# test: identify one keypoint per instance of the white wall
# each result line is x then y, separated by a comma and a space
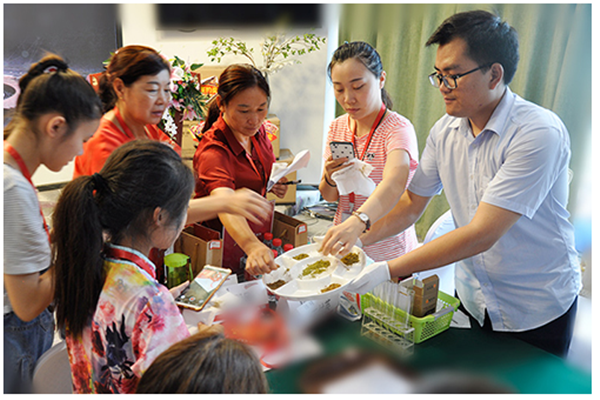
301, 94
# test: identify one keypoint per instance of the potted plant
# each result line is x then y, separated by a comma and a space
187, 102
278, 50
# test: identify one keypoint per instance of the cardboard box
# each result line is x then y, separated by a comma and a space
275, 134
209, 87
425, 298
203, 245
290, 230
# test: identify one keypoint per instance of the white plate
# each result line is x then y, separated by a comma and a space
304, 288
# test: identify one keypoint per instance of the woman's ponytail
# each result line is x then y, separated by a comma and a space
212, 114
78, 262
50, 86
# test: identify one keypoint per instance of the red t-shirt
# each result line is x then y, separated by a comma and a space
221, 161
106, 139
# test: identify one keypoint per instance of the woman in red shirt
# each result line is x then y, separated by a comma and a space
135, 92
235, 153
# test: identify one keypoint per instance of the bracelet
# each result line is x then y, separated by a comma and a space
327, 181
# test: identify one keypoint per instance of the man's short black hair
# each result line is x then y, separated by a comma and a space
488, 39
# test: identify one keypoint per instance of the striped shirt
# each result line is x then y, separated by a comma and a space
394, 132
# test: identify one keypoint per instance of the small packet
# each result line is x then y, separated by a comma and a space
349, 306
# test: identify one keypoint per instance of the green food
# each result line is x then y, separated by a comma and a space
330, 287
300, 256
316, 268
351, 258
276, 285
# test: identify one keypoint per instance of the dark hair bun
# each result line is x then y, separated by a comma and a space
49, 64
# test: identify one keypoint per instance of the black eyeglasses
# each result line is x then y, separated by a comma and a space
436, 79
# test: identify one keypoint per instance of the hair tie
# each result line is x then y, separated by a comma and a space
51, 69
99, 182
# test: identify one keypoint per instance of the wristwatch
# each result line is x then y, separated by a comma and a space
364, 218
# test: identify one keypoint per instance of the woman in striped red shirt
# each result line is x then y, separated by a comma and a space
382, 138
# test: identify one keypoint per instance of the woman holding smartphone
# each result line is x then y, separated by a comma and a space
380, 137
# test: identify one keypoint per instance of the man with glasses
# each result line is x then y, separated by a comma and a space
503, 164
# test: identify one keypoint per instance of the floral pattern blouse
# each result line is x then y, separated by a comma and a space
136, 319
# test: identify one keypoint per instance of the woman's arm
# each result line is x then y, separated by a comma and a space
260, 257
380, 202
242, 202
29, 294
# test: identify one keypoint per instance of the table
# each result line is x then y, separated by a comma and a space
519, 366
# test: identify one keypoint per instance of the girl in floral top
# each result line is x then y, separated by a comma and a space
117, 317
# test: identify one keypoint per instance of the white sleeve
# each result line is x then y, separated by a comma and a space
26, 247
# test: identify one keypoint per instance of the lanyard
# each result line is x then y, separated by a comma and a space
122, 253
376, 123
371, 132
19, 160
262, 161
126, 129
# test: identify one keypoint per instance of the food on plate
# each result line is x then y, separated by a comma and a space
277, 284
330, 287
350, 258
316, 268
301, 256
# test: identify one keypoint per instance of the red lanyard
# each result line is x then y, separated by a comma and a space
122, 253
369, 137
126, 129
262, 161
19, 160
371, 132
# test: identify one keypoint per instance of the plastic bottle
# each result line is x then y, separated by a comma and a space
287, 247
277, 246
243, 262
268, 239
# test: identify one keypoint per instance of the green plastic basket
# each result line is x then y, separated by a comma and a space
424, 327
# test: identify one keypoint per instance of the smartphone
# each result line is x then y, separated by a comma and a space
341, 150
202, 288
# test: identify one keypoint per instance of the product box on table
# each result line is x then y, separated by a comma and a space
290, 230
203, 245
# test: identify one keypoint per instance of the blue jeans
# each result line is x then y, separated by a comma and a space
24, 343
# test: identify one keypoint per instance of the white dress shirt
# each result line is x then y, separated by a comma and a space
519, 162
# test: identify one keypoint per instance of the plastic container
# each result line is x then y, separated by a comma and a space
178, 268
427, 326
287, 247
268, 239
277, 246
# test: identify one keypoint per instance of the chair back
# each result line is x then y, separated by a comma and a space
52, 373
441, 226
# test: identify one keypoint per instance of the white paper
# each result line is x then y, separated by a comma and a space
281, 169
354, 178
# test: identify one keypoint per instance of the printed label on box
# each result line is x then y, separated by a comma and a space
302, 229
214, 244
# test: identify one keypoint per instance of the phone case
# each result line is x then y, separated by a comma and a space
341, 150
202, 288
